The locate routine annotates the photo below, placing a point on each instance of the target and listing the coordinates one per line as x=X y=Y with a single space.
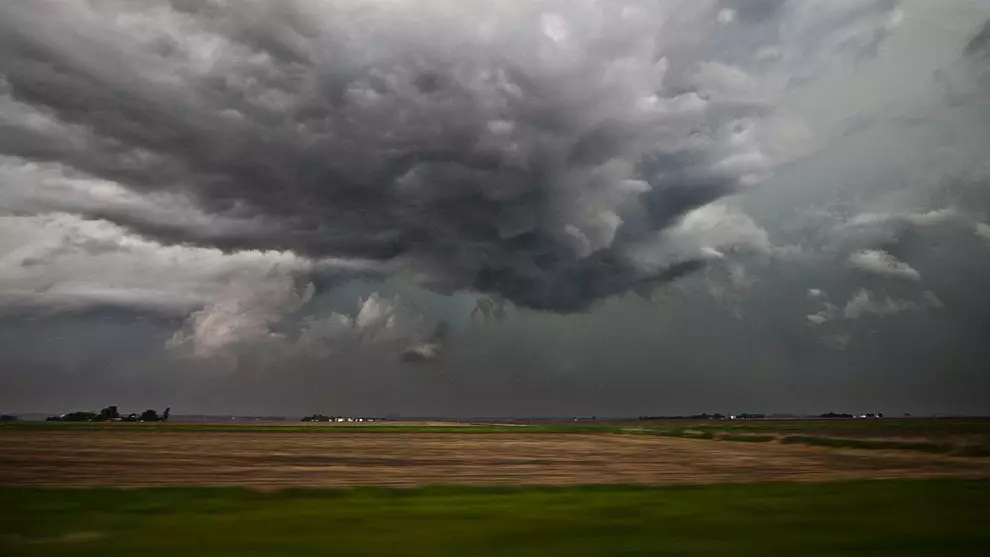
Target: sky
x=460 y=208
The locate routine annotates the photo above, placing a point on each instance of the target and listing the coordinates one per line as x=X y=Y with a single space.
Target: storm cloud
x=542 y=151
x=454 y=207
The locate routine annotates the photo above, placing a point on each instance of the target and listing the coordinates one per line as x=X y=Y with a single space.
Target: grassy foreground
x=903 y=518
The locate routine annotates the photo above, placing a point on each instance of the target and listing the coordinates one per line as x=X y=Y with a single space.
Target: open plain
x=220 y=489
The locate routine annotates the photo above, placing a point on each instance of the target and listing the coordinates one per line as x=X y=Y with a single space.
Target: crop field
x=275 y=456
x=483 y=489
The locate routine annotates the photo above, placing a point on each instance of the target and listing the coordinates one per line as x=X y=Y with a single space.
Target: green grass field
x=897 y=518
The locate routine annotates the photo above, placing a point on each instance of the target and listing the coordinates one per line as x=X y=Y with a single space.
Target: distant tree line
x=111 y=414
x=871 y=415
x=319 y=418
x=747 y=416
x=715 y=416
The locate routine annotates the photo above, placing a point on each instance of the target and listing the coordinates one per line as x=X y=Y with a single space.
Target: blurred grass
x=747 y=438
x=898 y=426
x=972 y=450
x=839 y=443
x=902 y=518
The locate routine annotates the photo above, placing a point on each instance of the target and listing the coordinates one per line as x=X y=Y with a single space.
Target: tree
x=74 y=417
x=318 y=418
x=107 y=414
x=149 y=415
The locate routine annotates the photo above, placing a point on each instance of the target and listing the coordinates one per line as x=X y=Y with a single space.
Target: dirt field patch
x=272 y=459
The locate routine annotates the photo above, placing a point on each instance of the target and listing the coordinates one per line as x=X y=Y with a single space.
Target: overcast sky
x=513 y=207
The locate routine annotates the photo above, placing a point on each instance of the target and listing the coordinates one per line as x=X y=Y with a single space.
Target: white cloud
x=708 y=232
x=927 y=218
x=251 y=319
x=828 y=312
x=244 y=313
x=982 y=230
x=819 y=318
x=882 y=263
x=865 y=302
x=60 y=262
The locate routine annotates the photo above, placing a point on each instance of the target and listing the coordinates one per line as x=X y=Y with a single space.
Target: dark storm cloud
x=978 y=47
x=530 y=150
x=225 y=169
x=978 y=55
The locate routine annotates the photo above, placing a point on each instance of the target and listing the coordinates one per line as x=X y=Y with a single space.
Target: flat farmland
x=123 y=456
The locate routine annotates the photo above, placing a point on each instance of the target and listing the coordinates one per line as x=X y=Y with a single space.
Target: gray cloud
x=538 y=164
x=978 y=49
x=234 y=207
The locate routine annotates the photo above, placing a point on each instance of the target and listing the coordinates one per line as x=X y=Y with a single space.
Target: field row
x=274 y=459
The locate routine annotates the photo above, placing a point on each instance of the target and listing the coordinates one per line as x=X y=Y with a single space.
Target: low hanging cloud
x=58 y=262
x=822 y=316
x=251 y=320
x=548 y=152
x=865 y=302
x=926 y=218
x=983 y=231
x=881 y=263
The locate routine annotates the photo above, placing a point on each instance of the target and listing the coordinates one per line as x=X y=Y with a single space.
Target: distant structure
x=335 y=419
x=870 y=416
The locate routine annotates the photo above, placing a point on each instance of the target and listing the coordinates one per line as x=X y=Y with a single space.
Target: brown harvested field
x=274 y=459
